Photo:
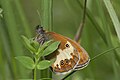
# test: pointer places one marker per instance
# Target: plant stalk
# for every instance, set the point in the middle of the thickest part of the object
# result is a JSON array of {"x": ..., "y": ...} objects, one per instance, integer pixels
[
  {"x": 35, "y": 77},
  {"x": 78, "y": 34},
  {"x": 35, "y": 70}
]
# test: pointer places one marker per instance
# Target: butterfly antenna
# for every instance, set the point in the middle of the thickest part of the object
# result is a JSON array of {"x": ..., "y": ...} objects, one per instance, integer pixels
[{"x": 39, "y": 15}]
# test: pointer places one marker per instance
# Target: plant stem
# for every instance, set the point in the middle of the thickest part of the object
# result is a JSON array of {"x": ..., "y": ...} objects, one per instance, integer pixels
[
  {"x": 94, "y": 22},
  {"x": 78, "y": 34},
  {"x": 35, "y": 74},
  {"x": 35, "y": 70}
]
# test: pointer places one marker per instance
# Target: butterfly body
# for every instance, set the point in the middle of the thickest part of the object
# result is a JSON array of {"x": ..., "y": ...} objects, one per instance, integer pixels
[{"x": 69, "y": 55}]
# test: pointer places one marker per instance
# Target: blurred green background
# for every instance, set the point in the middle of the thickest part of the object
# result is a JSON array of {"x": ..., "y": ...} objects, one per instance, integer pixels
[{"x": 99, "y": 34}]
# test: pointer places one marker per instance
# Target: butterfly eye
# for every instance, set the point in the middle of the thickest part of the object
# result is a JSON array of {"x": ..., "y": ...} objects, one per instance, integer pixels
[{"x": 67, "y": 45}]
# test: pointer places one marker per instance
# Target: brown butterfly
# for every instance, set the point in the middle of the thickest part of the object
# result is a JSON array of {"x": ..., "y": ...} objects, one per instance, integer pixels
[{"x": 69, "y": 55}]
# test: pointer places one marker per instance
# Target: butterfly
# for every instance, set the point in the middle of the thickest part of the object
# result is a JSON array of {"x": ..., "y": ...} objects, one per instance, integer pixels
[{"x": 69, "y": 56}]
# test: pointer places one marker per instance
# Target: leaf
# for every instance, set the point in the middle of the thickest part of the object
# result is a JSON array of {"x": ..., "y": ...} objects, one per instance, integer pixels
[
  {"x": 26, "y": 61},
  {"x": 40, "y": 50},
  {"x": 46, "y": 44},
  {"x": 51, "y": 48},
  {"x": 34, "y": 43},
  {"x": 27, "y": 44},
  {"x": 43, "y": 64},
  {"x": 113, "y": 16}
]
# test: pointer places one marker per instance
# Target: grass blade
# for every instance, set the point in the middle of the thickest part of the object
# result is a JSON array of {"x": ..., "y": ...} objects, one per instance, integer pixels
[
  {"x": 22, "y": 19},
  {"x": 47, "y": 18},
  {"x": 11, "y": 28},
  {"x": 113, "y": 16},
  {"x": 2, "y": 65},
  {"x": 47, "y": 22}
]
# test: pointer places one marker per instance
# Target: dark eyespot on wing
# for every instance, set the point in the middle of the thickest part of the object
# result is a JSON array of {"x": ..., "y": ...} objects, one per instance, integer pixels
[
  {"x": 66, "y": 61},
  {"x": 65, "y": 65},
  {"x": 61, "y": 62},
  {"x": 67, "y": 45}
]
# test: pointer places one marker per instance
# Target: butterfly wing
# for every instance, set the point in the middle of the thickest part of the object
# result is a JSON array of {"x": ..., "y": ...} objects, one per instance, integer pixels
[{"x": 66, "y": 55}]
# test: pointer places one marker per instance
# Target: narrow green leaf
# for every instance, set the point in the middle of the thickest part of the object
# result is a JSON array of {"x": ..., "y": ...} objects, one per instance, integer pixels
[
  {"x": 28, "y": 44},
  {"x": 11, "y": 27},
  {"x": 26, "y": 61},
  {"x": 43, "y": 64},
  {"x": 113, "y": 16},
  {"x": 46, "y": 12},
  {"x": 51, "y": 48},
  {"x": 22, "y": 18}
]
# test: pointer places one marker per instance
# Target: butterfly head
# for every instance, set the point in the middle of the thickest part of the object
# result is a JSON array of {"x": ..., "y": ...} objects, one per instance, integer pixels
[{"x": 40, "y": 30}]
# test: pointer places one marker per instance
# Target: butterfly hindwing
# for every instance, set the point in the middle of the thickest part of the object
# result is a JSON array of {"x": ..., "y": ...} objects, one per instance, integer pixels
[{"x": 67, "y": 56}]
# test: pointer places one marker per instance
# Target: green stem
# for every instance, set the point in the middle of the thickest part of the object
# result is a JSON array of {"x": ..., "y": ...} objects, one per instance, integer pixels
[
  {"x": 79, "y": 32},
  {"x": 35, "y": 70},
  {"x": 35, "y": 77},
  {"x": 94, "y": 22}
]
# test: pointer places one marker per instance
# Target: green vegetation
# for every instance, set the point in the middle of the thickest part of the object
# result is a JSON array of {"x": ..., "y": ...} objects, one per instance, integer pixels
[{"x": 38, "y": 51}]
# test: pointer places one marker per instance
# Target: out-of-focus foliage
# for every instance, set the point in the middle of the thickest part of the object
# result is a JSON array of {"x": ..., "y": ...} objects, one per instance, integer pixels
[{"x": 19, "y": 17}]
